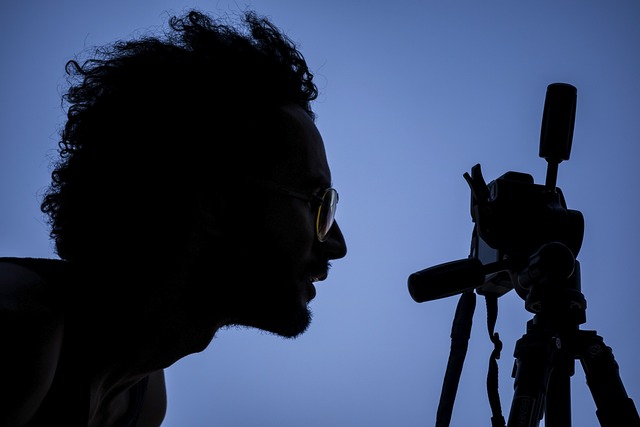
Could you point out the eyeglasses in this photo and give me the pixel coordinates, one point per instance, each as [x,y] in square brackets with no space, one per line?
[327,203]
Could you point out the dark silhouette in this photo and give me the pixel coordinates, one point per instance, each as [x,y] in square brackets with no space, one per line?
[191,192]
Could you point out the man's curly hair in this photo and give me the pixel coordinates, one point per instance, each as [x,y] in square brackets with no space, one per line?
[155,121]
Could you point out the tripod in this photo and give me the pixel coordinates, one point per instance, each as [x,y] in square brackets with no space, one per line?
[546,353]
[545,358]
[526,239]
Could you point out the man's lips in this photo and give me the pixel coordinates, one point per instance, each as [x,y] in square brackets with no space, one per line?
[311,291]
[313,278]
[318,278]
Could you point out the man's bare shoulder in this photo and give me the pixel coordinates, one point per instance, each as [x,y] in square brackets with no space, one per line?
[31,331]
[23,291]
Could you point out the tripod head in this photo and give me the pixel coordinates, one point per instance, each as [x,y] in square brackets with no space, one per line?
[523,232]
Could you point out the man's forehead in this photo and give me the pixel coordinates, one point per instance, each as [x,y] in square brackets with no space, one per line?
[304,160]
[297,122]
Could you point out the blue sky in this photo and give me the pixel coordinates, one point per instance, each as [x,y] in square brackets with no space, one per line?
[412,95]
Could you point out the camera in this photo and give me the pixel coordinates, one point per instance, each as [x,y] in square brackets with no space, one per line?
[522,231]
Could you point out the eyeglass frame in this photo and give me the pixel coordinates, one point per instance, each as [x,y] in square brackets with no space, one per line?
[281,189]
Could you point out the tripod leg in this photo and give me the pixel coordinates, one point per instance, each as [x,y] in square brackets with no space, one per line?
[535,354]
[559,391]
[614,407]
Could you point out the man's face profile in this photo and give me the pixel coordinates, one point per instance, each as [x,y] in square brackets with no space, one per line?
[273,256]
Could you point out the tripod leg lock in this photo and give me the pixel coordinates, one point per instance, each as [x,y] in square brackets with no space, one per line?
[615,408]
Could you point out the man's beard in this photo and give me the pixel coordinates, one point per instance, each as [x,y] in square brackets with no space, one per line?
[274,300]
[270,306]
[280,314]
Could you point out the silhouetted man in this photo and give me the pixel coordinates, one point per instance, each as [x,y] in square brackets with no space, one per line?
[191,192]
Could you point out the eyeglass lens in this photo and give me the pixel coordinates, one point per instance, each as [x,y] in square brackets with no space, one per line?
[326,213]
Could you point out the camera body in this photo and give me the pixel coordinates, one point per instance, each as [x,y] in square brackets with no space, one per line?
[513,218]
[523,232]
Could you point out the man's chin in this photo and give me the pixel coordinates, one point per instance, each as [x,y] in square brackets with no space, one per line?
[287,326]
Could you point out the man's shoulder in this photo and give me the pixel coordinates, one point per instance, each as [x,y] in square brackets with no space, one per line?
[31,333]
[27,285]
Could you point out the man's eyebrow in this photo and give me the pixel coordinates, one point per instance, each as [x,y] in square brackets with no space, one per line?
[319,184]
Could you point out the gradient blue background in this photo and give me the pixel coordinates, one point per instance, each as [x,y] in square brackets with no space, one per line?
[412,95]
